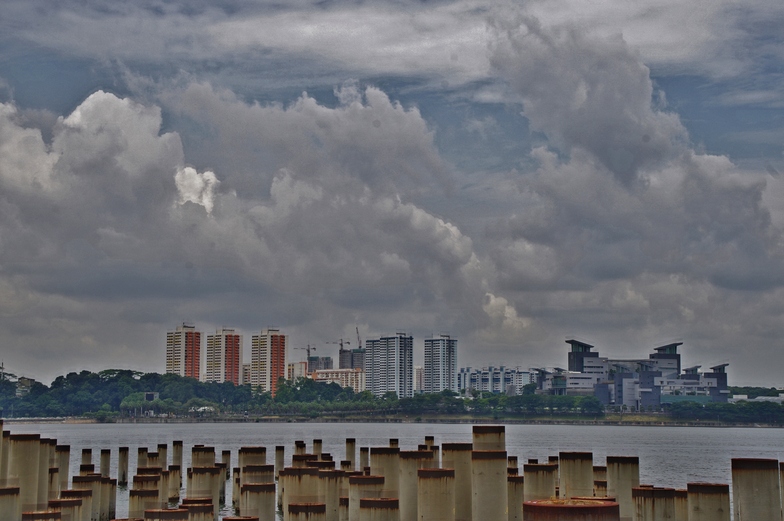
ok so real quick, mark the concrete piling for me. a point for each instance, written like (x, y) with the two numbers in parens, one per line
(63, 457)
(122, 467)
(540, 480)
(106, 458)
(457, 456)
(202, 456)
(175, 481)
(153, 459)
(91, 482)
(306, 512)
(53, 486)
(299, 485)
(364, 457)
(9, 504)
(86, 498)
(515, 497)
(755, 489)
(166, 514)
(23, 468)
(410, 462)
(708, 502)
(41, 515)
(251, 456)
(343, 509)
(436, 495)
(379, 509)
(351, 453)
(177, 453)
(681, 505)
(205, 482)
(70, 509)
(257, 499)
(317, 446)
(654, 504)
(141, 500)
(257, 474)
(623, 474)
(576, 474)
(570, 510)
(489, 437)
(199, 509)
(385, 461)
(280, 461)
(329, 492)
(362, 487)
(488, 483)
(141, 457)
(87, 456)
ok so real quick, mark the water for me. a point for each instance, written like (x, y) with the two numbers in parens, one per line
(669, 456)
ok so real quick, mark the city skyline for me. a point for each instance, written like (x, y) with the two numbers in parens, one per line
(513, 173)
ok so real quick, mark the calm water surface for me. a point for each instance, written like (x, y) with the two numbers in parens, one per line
(669, 456)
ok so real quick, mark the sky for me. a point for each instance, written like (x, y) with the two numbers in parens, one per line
(512, 173)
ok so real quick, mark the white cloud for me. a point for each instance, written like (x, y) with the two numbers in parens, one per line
(195, 187)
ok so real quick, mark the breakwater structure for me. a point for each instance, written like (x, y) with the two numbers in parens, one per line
(477, 481)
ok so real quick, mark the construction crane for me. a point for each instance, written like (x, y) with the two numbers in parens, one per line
(359, 341)
(307, 349)
(340, 343)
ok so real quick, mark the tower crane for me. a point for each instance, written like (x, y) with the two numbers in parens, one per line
(359, 341)
(307, 350)
(340, 343)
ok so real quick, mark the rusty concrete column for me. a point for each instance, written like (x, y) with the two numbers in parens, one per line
(457, 456)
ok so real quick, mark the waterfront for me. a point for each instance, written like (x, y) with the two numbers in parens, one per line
(669, 456)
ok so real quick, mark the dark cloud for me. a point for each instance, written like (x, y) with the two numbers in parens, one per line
(511, 182)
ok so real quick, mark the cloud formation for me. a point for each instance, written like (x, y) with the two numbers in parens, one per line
(512, 174)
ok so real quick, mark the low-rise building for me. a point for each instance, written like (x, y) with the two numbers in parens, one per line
(296, 370)
(354, 378)
(508, 380)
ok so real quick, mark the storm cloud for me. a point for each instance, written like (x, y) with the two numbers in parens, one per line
(511, 174)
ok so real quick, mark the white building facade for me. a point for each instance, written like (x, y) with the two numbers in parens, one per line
(223, 361)
(509, 380)
(440, 371)
(389, 365)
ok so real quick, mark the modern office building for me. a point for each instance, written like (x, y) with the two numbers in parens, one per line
(637, 383)
(268, 359)
(183, 351)
(440, 372)
(506, 380)
(223, 360)
(389, 365)
(354, 378)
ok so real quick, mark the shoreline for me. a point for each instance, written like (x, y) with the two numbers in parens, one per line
(422, 420)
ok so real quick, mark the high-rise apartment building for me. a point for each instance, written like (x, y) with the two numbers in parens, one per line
(316, 363)
(183, 351)
(268, 359)
(224, 357)
(440, 364)
(351, 358)
(389, 365)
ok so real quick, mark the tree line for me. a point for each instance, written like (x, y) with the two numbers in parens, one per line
(114, 393)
